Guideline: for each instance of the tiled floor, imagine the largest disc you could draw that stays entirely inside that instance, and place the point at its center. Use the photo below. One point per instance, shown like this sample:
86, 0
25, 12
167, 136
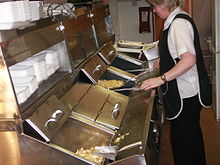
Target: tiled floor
211, 134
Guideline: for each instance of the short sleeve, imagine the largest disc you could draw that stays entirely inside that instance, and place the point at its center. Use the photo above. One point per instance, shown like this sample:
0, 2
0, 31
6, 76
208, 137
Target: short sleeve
181, 37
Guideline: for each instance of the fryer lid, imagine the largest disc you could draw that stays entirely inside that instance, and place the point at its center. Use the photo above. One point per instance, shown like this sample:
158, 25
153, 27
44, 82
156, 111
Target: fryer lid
49, 118
92, 103
94, 69
97, 104
108, 53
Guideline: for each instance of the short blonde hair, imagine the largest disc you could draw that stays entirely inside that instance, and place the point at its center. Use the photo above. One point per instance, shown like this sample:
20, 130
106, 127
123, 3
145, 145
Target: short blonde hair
169, 4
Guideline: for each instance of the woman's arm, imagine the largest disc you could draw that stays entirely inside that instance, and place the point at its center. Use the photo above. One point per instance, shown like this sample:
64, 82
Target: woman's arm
186, 62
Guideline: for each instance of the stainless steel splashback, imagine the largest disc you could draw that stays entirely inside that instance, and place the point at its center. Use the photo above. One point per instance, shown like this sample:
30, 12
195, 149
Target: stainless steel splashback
100, 24
28, 44
81, 39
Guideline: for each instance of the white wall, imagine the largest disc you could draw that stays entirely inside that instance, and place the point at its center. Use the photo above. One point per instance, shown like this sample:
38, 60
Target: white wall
128, 21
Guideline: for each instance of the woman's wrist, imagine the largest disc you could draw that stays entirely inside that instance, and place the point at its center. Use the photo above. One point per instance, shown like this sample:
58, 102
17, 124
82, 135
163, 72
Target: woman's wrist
163, 78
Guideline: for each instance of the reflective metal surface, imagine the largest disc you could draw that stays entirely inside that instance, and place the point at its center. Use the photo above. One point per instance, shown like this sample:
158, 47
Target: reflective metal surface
8, 105
79, 33
9, 112
100, 26
26, 45
10, 122
113, 111
34, 152
49, 118
10, 153
94, 69
108, 53
136, 124
75, 94
106, 108
75, 135
92, 103
120, 73
136, 159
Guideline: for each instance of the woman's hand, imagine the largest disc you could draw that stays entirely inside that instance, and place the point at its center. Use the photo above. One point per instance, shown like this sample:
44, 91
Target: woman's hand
151, 83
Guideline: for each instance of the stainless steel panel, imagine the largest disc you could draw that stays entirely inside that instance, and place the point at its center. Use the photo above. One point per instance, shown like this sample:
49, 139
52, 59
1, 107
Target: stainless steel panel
77, 51
102, 34
28, 44
80, 38
136, 125
75, 94
89, 41
34, 152
75, 25
8, 104
103, 106
108, 53
100, 25
92, 103
130, 59
10, 153
76, 134
113, 110
136, 159
49, 118
57, 84
94, 68
120, 73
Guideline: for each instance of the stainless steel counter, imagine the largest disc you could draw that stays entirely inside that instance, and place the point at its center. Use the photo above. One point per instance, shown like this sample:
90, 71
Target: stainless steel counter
137, 128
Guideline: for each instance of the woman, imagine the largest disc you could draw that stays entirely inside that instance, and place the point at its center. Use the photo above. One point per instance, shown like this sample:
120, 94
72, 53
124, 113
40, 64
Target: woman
183, 80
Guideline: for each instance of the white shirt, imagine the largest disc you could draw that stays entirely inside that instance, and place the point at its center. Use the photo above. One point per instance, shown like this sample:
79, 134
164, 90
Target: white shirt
180, 40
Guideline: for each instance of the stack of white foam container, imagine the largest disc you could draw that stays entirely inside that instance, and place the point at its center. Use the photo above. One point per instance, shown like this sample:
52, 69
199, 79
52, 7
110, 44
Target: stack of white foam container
30, 73
49, 67
36, 10
39, 64
22, 93
24, 80
52, 59
14, 14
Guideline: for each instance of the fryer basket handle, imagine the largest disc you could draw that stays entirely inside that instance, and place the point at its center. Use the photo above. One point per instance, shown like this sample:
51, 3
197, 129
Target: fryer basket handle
116, 110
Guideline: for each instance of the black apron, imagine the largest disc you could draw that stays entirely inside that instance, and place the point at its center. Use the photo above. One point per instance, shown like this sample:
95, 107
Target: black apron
172, 100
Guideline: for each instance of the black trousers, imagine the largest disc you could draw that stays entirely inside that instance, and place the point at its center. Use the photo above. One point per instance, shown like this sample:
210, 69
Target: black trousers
186, 135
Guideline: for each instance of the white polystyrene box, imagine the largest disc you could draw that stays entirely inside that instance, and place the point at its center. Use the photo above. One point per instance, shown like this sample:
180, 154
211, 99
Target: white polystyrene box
14, 14
36, 10
41, 71
29, 81
39, 56
50, 54
21, 70
39, 65
50, 69
52, 58
56, 63
22, 93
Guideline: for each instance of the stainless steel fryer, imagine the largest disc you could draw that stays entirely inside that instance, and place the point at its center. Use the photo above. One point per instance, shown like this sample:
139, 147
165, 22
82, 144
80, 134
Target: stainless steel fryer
119, 60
